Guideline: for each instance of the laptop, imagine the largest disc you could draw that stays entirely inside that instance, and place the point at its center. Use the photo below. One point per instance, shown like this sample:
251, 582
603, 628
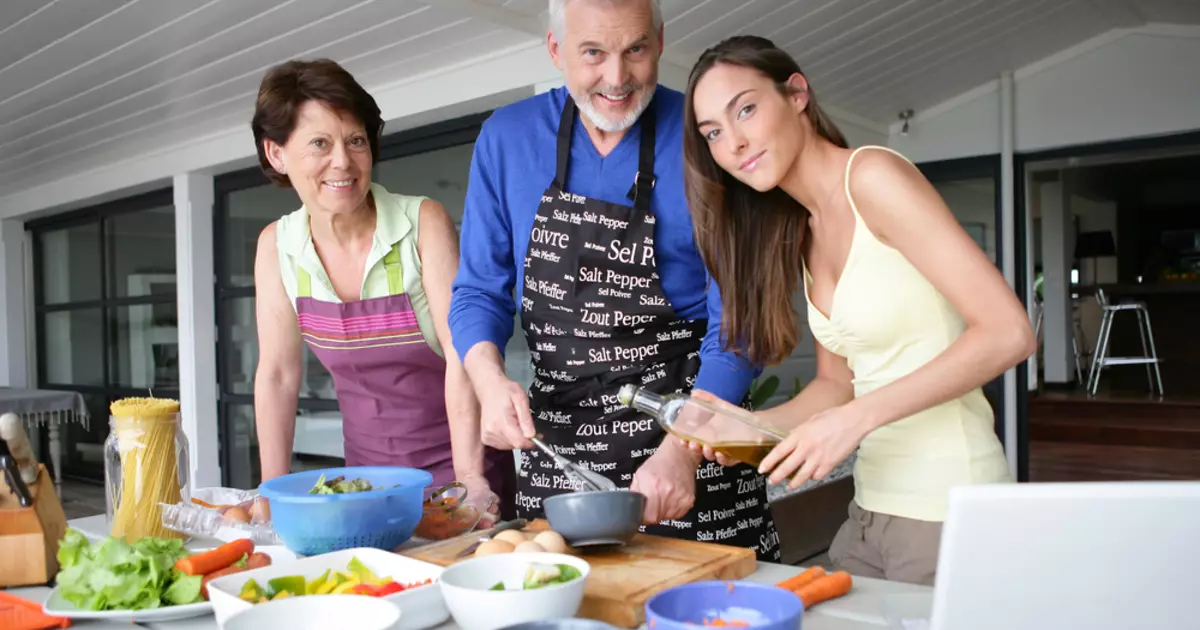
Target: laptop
1100, 556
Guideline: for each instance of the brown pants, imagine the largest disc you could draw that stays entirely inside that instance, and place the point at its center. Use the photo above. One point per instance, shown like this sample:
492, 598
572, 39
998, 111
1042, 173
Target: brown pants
870, 544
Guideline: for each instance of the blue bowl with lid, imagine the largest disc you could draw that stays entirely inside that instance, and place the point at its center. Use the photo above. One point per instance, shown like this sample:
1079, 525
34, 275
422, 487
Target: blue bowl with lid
758, 606
312, 524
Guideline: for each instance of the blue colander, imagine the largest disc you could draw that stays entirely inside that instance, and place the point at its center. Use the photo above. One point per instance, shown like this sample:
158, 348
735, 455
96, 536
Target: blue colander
311, 524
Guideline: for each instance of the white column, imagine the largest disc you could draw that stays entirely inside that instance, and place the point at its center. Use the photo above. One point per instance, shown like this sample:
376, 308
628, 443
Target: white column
14, 360
1056, 286
1008, 227
197, 324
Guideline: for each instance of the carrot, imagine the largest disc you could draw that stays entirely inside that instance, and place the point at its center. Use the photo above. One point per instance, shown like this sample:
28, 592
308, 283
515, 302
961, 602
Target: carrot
216, 574
802, 579
824, 588
214, 559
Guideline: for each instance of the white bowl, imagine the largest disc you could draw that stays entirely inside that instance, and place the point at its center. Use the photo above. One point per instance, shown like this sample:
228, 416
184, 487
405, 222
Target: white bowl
318, 613
465, 586
423, 607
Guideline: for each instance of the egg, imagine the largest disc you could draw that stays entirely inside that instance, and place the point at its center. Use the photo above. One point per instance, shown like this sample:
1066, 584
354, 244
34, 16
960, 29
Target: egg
493, 547
552, 541
511, 536
238, 513
529, 547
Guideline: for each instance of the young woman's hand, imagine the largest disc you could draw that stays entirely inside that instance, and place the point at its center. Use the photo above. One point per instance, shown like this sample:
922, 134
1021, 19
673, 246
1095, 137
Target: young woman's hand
816, 446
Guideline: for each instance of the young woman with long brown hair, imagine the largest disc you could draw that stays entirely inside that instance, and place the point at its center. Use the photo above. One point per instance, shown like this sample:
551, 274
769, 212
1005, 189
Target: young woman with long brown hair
910, 317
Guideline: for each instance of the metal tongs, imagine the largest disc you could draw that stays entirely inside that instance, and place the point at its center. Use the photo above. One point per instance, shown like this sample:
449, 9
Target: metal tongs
587, 480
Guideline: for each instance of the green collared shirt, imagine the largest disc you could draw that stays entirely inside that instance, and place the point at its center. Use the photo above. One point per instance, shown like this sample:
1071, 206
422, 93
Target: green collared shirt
396, 220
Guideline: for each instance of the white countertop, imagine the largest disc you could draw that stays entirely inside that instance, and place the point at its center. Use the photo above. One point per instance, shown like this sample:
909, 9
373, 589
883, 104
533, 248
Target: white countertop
862, 609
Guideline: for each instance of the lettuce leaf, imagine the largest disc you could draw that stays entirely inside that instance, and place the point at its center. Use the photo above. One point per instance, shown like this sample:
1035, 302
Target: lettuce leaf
115, 575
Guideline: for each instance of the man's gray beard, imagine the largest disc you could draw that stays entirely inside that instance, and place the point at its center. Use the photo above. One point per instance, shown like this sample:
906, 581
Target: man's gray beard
584, 102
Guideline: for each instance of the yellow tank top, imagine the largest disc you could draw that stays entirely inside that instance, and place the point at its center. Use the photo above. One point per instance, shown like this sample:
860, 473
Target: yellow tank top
887, 320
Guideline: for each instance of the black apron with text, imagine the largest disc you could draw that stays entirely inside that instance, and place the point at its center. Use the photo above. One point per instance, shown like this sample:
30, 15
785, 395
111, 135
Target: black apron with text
596, 318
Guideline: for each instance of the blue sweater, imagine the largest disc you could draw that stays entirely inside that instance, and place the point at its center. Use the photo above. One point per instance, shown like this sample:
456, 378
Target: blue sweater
512, 166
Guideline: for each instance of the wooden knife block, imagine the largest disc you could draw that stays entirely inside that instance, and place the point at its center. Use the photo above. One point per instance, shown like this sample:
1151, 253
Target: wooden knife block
29, 537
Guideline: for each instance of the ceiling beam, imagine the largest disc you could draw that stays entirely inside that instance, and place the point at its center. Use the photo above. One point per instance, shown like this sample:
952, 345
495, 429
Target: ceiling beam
499, 16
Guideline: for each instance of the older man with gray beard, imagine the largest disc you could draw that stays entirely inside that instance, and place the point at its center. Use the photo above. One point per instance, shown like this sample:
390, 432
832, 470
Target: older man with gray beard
586, 217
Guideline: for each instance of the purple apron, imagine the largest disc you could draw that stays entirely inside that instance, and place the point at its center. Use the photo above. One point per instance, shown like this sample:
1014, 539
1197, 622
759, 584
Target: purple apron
390, 384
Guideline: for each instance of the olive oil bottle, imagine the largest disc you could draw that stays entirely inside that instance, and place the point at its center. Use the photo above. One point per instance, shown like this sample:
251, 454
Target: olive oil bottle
736, 434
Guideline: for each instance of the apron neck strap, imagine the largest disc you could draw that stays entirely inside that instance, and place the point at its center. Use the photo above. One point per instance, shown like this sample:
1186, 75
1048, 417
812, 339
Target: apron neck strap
303, 283
395, 270
566, 126
643, 182
391, 264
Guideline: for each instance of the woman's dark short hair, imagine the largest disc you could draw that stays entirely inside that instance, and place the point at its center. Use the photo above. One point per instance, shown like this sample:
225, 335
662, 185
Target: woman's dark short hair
289, 85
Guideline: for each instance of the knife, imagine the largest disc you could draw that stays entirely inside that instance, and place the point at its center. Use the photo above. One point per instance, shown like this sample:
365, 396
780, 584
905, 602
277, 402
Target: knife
13, 476
12, 431
518, 523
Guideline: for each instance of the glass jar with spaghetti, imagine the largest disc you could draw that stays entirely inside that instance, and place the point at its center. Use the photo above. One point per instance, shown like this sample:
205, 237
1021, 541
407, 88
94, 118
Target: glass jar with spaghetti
145, 465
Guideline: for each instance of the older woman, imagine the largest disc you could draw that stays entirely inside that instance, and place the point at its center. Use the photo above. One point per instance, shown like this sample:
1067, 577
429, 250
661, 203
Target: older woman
363, 277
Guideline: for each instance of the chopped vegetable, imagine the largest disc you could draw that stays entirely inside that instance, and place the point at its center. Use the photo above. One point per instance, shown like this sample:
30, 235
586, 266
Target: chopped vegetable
208, 561
498, 586
825, 588
293, 584
539, 575
115, 575
339, 485
358, 579
251, 592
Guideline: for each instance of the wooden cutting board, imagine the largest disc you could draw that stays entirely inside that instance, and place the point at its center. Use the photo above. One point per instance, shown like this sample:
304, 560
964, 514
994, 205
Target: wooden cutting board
622, 579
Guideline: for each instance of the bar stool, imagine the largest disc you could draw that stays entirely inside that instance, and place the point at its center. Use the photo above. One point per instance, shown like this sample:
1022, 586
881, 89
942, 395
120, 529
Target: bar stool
1077, 333
1149, 356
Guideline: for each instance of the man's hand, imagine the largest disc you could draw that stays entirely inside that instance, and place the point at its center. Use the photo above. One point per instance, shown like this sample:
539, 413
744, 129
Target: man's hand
668, 479
504, 416
479, 494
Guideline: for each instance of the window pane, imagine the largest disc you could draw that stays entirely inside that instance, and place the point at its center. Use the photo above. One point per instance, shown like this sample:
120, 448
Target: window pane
141, 252
249, 211
442, 175
973, 202
144, 349
242, 361
318, 444
83, 452
71, 264
242, 357
73, 347
242, 442
439, 175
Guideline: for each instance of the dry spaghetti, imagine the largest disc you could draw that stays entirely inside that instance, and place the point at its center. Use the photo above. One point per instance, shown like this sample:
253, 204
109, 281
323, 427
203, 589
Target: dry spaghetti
145, 430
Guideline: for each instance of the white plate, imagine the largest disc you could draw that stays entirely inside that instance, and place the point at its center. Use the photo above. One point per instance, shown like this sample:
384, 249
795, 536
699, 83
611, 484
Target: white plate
421, 607
56, 605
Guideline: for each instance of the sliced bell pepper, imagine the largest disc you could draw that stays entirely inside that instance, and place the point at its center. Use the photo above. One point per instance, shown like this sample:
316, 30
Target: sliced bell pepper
359, 569
381, 590
311, 588
293, 584
251, 592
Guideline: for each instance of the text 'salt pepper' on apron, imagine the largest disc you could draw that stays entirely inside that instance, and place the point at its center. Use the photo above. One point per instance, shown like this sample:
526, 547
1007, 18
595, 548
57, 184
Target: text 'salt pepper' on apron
596, 318
390, 384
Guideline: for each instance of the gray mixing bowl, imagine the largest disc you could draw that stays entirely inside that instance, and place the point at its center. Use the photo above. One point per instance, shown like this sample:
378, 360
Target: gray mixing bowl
588, 519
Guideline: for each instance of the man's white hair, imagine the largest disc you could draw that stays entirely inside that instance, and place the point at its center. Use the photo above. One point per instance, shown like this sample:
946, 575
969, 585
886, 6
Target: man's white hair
558, 18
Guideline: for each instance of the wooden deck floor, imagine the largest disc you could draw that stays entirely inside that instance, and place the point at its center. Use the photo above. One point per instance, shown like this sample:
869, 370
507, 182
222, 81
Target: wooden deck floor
1112, 438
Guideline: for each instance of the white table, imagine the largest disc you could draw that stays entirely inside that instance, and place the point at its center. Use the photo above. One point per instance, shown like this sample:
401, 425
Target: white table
862, 609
